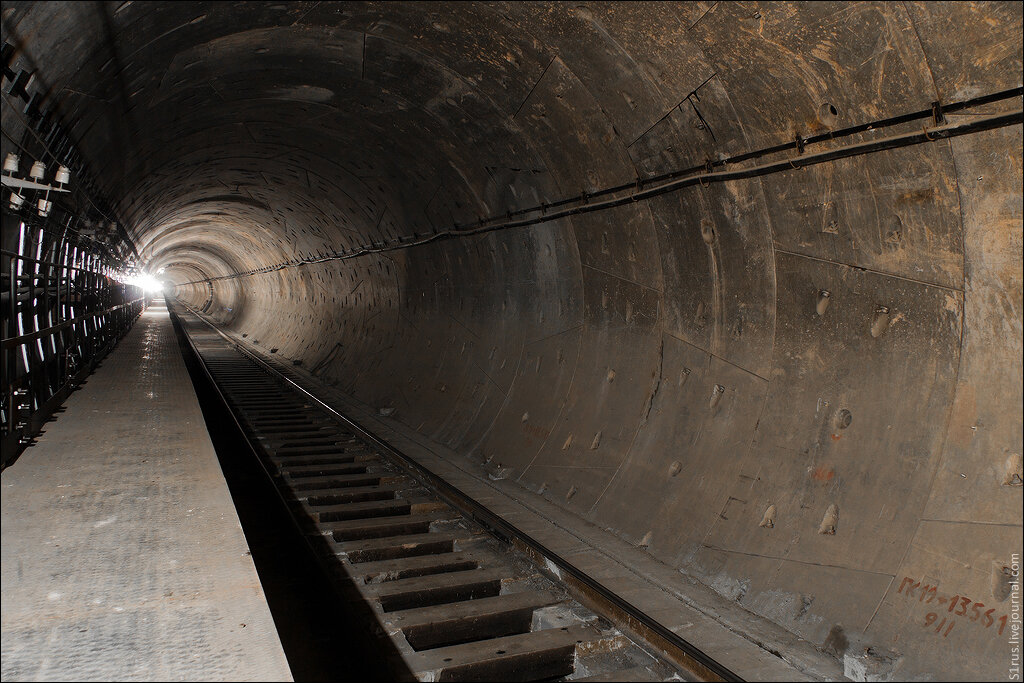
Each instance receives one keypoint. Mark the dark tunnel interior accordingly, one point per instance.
(796, 386)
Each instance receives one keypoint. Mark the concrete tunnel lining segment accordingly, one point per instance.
(662, 369)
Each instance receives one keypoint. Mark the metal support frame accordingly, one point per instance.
(61, 312)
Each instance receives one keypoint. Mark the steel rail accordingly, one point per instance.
(494, 523)
(252, 448)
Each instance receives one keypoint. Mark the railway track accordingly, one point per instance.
(455, 600)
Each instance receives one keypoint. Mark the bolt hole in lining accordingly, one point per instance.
(828, 113)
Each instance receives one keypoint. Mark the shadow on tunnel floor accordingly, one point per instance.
(325, 636)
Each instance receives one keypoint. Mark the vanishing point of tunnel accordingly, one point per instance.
(728, 291)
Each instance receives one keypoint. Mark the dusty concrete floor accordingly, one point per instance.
(122, 555)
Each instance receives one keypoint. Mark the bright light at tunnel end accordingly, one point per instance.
(148, 283)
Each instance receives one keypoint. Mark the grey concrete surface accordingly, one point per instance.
(122, 554)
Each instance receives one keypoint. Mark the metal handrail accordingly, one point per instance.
(12, 342)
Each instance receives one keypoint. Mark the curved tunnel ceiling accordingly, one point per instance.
(799, 389)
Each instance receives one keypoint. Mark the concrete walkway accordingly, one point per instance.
(122, 554)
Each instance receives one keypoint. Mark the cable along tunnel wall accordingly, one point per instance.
(802, 389)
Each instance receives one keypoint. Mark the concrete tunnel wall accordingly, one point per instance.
(662, 369)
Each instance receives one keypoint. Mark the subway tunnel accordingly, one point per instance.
(739, 283)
